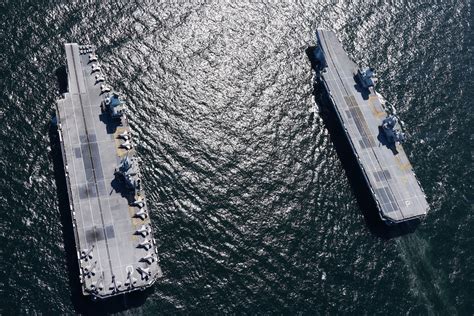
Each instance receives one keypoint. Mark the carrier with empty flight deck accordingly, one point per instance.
(115, 247)
(371, 132)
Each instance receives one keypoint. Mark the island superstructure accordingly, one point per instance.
(116, 250)
(371, 132)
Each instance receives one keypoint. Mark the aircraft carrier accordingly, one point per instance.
(114, 240)
(371, 132)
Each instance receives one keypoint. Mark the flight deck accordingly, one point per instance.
(115, 246)
(371, 132)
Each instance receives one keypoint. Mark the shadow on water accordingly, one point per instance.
(61, 75)
(351, 167)
(81, 303)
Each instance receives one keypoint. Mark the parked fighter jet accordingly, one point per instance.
(104, 88)
(125, 135)
(92, 57)
(99, 78)
(141, 213)
(143, 230)
(145, 272)
(89, 271)
(86, 254)
(95, 68)
(146, 244)
(149, 258)
(126, 145)
(96, 286)
(140, 203)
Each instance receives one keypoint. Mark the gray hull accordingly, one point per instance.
(387, 171)
(107, 231)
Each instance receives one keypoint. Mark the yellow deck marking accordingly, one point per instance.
(403, 165)
(379, 113)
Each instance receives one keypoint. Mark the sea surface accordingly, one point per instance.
(251, 204)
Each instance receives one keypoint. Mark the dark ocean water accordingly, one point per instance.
(251, 205)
